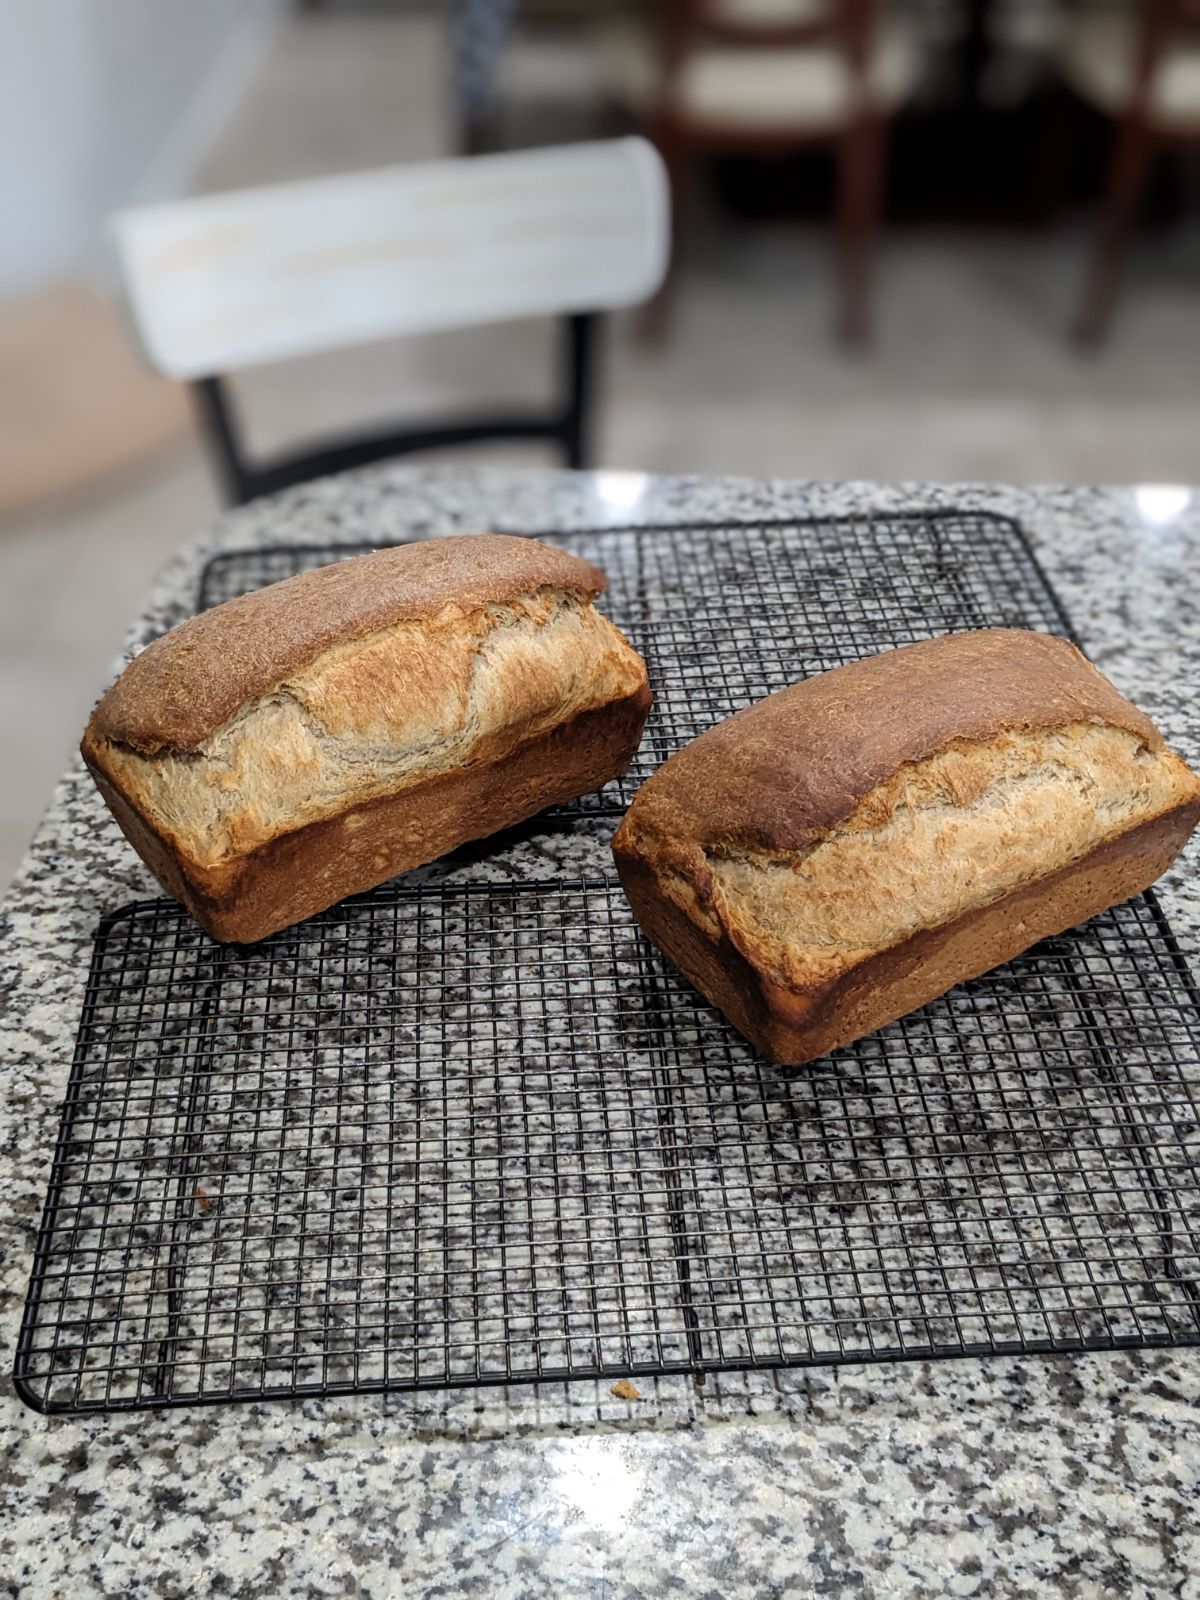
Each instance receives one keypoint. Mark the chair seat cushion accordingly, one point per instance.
(767, 13)
(769, 89)
(1098, 59)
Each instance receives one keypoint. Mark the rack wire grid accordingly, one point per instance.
(725, 613)
(474, 1135)
(444, 1136)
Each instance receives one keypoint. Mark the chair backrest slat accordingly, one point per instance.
(224, 282)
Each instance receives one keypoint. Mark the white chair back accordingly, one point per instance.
(224, 282)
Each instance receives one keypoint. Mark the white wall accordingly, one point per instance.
(104, 103)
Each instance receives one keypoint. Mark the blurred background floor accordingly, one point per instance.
(970, 377)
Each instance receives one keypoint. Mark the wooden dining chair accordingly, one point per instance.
(765, 77)
(1140, 65)
(221, 283)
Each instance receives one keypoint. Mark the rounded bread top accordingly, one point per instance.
(779, 774)
(185, 685)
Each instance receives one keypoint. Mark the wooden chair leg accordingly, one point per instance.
(676, 157)
(1135, 149)
(859, 199)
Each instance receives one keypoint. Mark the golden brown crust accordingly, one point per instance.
(950, 834)
(318, 737)
(299, 873)
(184, 686)
(375, 716)
(952, 861)
(792, 1029)
(779, 774)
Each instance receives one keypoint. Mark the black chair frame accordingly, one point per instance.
(567, 426)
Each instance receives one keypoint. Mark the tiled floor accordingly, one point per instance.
(970, 378)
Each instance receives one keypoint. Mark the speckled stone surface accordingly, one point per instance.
(1071, 1476)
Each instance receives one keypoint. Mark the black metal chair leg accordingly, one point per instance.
(580, 330)
(220, 435)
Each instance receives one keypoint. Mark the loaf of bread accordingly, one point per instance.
(846, 850)
(317, 737)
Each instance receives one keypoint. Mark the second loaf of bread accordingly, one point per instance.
(849, 848)
(319, 736)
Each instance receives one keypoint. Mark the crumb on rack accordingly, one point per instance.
(624, 1390)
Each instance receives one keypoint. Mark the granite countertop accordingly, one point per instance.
(1065, 1476)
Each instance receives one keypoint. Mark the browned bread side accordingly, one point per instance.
(849, 848)
(315, 738)
(298, 873)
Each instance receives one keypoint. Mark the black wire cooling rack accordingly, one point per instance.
(446, 1136)
(478, 1135)
(725, 613)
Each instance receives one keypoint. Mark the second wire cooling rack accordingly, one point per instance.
(440, 1137)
